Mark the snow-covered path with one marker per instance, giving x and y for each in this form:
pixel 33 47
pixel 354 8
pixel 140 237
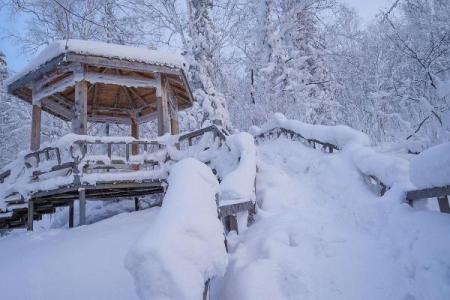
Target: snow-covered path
pixel 322 234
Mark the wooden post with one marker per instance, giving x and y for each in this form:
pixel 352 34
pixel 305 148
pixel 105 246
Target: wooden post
pixel 36 127
pixel 82 199
pixel 71 213
pixel 30 215
pixel 79 122
pixel 174 126
pixel 163 109
pixel 135 134
pixel 444 205
pixel 136 203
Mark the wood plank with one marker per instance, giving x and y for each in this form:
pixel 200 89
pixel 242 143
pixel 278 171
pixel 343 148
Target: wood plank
pixel 428 193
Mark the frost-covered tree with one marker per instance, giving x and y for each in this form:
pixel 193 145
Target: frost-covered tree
pixel 202 45
pixel 14 120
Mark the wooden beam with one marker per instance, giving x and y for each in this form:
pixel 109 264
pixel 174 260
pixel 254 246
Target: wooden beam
pixel 56 108
pixel 79 122
pixel 122 80
pixel 59 86
pixel 36 114
pixel 36 74
pixel 82 203
pixel 121 64
pixel 163 108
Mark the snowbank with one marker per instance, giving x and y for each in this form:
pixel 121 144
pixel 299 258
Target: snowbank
pixel 240 183
pixel 185 245
pixel 431 168
pixel 339 135
pixel 101 49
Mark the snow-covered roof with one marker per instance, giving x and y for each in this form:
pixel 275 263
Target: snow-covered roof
pixel 101 49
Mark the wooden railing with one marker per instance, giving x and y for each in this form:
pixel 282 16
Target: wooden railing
pixel 441 193
pixel 279 131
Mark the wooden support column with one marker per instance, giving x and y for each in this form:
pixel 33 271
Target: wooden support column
pixel 135 134
pixel 30 218
pixel 71 214
pixel 444 205
pixel 79 122
pixel 136 203
pixel 35 143
pixel 163 108
pixel 174 126
pixel 82 200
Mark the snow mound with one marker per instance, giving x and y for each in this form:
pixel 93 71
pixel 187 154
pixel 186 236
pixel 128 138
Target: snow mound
pixel 431 168
pixel 101 49
pixel 390 169
pixel 339 135
pixel 185 245
pixel 239 184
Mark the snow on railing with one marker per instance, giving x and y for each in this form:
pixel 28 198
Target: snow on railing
pixel 82 159
pixel 339 135
pixel 430 173
pixel 380 171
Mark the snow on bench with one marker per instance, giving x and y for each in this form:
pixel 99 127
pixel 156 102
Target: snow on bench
pixel 184 247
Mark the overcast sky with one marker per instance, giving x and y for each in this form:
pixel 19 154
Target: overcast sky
pixel 16 60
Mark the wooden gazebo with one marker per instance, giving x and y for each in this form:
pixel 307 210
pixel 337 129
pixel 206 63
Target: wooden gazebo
pixel 86 81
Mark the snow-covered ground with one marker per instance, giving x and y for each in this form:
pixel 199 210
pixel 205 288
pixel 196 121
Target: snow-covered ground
pixel 81 263
pixel 321 233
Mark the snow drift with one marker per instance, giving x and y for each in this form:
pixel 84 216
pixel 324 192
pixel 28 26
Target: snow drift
pixel 431 168
pixel 339 135
pixel 185 245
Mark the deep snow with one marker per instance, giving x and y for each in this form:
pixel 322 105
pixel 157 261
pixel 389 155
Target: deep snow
pixel 322 234
pixel 85 262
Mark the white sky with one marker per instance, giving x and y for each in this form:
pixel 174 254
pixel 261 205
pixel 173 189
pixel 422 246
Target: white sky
pixel 367 9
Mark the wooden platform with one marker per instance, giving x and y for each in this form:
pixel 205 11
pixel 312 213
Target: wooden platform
pixel 22 212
